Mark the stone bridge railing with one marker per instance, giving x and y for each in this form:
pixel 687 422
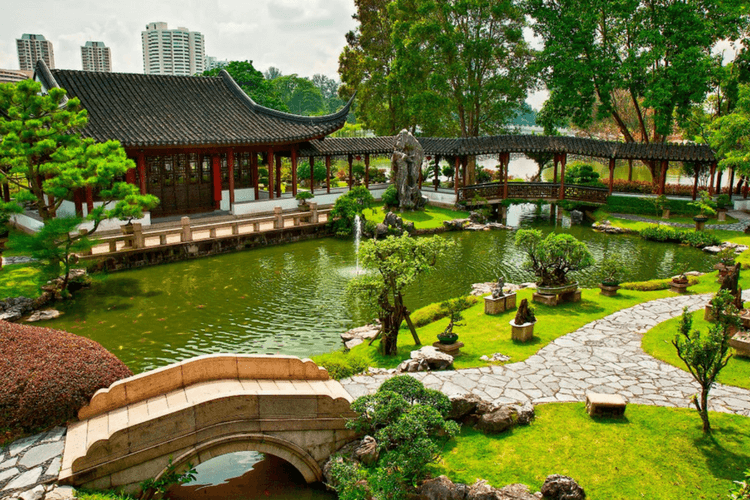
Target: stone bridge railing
pixel 533 191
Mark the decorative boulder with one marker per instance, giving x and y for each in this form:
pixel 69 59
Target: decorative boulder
pixel 497 421
pixel 48 375
pixel 462 406
pixel 426 358
pixel 557 487
pixel 406 163
pixel 442 488
pixel 367 452
pixel 381 230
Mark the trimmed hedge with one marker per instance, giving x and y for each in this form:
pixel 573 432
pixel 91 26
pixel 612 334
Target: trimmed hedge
pixel 697 239
pixel 644 206
pixel 433 312
pixel 650 286
pixel 47 375
pixel 342 364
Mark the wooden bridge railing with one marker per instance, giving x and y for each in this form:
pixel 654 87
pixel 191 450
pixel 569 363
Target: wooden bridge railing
pixel 533 191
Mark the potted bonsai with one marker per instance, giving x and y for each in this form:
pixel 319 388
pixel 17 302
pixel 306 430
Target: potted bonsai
pixel 706 206
pixel 680 283
pixel 725 266
pixel 722 204
pixel 522 326
pixel 611 274
pixel 453 308
pixel 552 259
pixel 661 203
pixel 302 198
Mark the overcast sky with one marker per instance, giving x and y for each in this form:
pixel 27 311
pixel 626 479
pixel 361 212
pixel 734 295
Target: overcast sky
pixel 297 36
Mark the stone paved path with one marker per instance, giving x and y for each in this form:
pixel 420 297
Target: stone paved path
pixel 603 356
pixel 31 461
pixel 743 220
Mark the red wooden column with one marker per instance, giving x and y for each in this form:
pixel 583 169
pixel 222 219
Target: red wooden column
pixel 230 166
pixel 555 161
pixel 216 175
pixel 437 172
pixel 456 169
pixel 505 163
pixel 663 176
pixel 630 169
pixel 464 170
pixel 563 161
pixel 611 175
pixel 78 201
pixel 294 171
pixel 130 175
pixel 351 176
pixel 312 175
pixel 269 164
pixel 719 175
pixel 142 171
pixel 89 199
pixel 278 176
pixel 254 174
pixel 6 192
pixel 711 181
pixel 367 172
pixel 695 183
pixel 731 185
pixel 328 174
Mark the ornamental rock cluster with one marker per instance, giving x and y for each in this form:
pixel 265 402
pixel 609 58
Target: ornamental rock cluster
pixel 555 487
pixel 487 417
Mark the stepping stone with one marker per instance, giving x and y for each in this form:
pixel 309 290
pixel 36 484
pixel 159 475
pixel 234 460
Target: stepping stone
pixel 7 474
pixel 610 405
pixel 8 463
pixel 42 453
pixel 25 480
pixel 22 444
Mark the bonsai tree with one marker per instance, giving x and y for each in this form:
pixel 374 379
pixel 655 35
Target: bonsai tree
pixel 722 201
pixel 611 271
pixel 454 308
pixel 705 204
pixel 726 257
pixel 553 257
pixel 397 262
pixel 347 207
pixel 705 355
pixel 302 198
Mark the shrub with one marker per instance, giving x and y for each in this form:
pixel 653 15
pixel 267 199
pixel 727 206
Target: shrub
pixel 347 206
pixel 649 286
pixel 48 375
pixel 552 258
pixel 433 312
pixel 659 233
pixel 342 364
pixel 414 392
pixel 645 206
pixel 697 239
pixel 742 490
pixel 582 174
pixel 390 196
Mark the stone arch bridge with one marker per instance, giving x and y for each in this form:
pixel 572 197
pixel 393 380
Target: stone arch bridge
pixel 202 408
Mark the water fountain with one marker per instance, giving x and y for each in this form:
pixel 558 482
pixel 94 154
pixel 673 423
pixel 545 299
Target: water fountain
pixel 357 237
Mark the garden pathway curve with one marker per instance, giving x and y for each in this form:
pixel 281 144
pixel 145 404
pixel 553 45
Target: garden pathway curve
pixel 603 356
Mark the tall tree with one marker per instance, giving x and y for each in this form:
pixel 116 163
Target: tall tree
pixel 272 73
pixel 43 155
pixel 638 63
pixel 329 88
pixel 299 95
pixel 253 83
pixel 730 135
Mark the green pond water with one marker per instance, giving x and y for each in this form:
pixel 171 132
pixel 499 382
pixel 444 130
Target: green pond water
pixel 292 299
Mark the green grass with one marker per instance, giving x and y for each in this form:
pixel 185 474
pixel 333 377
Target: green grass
pixel 688 220
pixel 21 280
pixel 101 495
pixel 658 343
pixel 653 453
pixel 486 335
pixel 429 218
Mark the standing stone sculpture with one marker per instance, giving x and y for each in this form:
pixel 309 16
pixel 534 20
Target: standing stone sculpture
pixel 406 164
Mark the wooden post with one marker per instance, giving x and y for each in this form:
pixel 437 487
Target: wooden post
pixel 89 200
pixel 367 172
pixel 328 174
pixel 142 171
pixel 731 184
pixel 456 168
pixel 711 179
pixel 6 192
pixel 294 171
pixel 505 163
pixel 254 174
pixel 230 166
pixel 464 171
pixel 78 201
pixel 216 174
pixel 278 176
pixel 312 175
pixel 555 161
pixel 437 172
pixel 663 176
pixel 718 182
pixel 630 169
pixel 563 161
pixel 695 183
pixel 351 176
pixel 269 164
pixel 611 175
pixel 130 175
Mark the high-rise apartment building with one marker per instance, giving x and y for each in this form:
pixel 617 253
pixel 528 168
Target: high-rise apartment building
pixel 213 63
pixel 172 52
pixel 31 48
pixel 95 56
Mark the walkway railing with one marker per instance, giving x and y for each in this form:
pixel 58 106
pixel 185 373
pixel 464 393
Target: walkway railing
pixel 533 191
pixel 187 232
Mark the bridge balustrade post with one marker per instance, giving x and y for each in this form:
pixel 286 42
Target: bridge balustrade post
pixel 138 240
pixel 187 232
pixel 314 216
pixel 279 222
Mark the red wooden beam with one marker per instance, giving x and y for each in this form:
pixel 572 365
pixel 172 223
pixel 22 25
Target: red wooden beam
pixel 563 162
pixel 89 199
pixel 216 175
pixel 278 175
pixel 230 166
pixel 611 175
pixel 141 162
pixel 504 165
pixel 312 175
pixel 731 185
pixel 711 176
pixel 269 163
pixel 695 183
pixel 456 169
pixel 78 201
pixel 294 171
pixel 328 174
pixel 555 161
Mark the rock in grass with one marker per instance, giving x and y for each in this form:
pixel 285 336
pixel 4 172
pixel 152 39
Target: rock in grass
pixel 557 487
pixel 47 375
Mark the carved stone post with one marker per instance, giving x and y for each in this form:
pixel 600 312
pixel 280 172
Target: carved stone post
pixel 187 232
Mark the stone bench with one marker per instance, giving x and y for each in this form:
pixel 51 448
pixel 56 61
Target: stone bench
pixel 605 405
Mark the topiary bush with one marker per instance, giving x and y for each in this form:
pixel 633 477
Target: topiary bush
pixel 342 364
pixel 47 375
pixel 697 239
pixel 649 286
pixel 390 196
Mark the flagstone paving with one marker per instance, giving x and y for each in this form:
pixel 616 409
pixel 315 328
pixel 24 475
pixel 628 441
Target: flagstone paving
pixel 603 356
pixel 31 461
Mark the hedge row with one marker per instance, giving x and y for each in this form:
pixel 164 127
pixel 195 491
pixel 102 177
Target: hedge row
pixel 646 187
pixel 645 206
pixel 697 239
pixel 649 286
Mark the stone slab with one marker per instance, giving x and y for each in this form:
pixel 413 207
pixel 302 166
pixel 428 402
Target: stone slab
pixel 8 463
pixel 611 405
pixel 22 444
pixel 25 480
pixel 452 349
pixel 41 454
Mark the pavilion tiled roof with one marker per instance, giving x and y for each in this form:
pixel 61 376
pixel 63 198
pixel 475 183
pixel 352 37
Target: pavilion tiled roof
pixel 160 110
pixel 434 146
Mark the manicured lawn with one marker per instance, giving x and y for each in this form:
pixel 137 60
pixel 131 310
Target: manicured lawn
pixel 653 453
pixel 486 335
pixel 21 280
pixel 687 220
pixel 429 218
pixel 658 343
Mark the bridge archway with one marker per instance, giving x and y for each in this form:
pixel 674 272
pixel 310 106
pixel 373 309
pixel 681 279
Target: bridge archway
pixel 286 450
